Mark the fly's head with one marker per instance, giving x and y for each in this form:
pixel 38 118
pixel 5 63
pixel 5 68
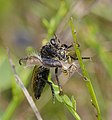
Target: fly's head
pixel 61 54
pixel 55 42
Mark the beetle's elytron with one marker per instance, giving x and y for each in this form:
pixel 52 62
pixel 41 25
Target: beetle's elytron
pixel 53 54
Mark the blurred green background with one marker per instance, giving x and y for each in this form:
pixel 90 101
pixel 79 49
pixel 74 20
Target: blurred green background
pixel 25 23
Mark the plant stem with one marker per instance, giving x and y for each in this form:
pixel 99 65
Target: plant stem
pixel 84 72
pixel 23 88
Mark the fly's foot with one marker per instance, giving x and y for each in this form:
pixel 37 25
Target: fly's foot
pixel 61 92
pixel 22 60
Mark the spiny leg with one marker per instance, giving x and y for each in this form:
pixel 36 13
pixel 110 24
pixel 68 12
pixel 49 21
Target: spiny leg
pixel 84 58
pixel 69 46
pixel 52 90
pixel 30 60
pixel 57 79
pixel 51 62
pixel 76 69
pixel 23 59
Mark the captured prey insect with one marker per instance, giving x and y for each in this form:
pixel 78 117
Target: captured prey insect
pixel 53 54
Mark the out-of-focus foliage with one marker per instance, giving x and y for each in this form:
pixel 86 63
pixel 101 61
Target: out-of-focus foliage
pixel 25 23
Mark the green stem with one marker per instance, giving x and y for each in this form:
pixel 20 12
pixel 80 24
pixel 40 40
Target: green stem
pixel 85 74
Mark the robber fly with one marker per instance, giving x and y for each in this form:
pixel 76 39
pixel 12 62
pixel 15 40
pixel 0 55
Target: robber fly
pixel 53 54
pixel 49 56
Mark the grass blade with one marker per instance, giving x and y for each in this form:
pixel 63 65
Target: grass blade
pixel 84 72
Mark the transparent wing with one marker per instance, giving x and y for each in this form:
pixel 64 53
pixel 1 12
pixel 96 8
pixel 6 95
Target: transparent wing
pixel 70 68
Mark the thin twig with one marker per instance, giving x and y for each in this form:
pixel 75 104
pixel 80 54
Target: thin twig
pixel 19 82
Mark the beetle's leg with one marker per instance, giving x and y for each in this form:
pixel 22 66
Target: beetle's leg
pixel 57 79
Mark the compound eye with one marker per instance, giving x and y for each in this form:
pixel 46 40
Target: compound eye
pixel 53 42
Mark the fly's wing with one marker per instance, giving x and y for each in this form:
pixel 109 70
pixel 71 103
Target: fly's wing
pixel 39 79
pixel 35 77
pixel 35 81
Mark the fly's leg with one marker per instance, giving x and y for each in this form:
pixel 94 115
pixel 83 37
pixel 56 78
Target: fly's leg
pixel 67 47
pixel 57 79
pixel 84 58
pixel 51 62
pixel 74 67
pixel 33 60
pixel 52 90
pixel 30 60
pixel 23 59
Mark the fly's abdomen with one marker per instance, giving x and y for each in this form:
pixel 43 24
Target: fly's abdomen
pixel 40 78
